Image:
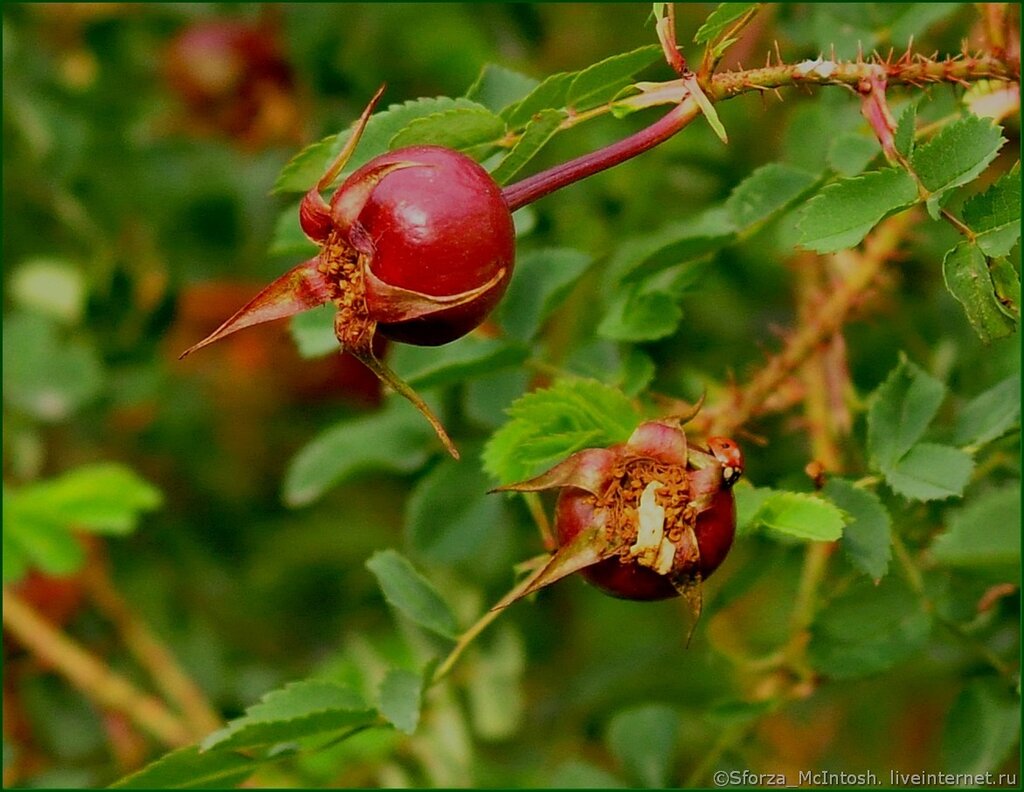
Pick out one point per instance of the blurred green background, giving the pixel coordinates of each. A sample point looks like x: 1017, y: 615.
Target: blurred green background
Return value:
x: 137, y: 215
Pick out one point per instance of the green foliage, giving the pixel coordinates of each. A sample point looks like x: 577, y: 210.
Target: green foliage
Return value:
x: 394, y: 439
x: 982, y: 728
x: 547, y: 425
x: 994, y: 215
x: 929, y: 471
x: 190, y: 768
x: 843, y: 213
x: 496, y: 87
x: 542, y: 280
x: 800, y: 516
x: 411, y: 594
x: 867, y: 536
x: 969, y: 280
x: 767, y: 191
x: 539, y: 130
x: 400, y: 697
x: 868, y: 629
x: 459, y: 361
x: 643, y: 740
x: 990, y: 414
x: 983, y: 534
x: 720, y: 19
x: 40, y: 518
x: 459, y: 128
x: 297, y: 711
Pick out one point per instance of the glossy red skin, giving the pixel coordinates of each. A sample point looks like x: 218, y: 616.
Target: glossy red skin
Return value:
x: 438, y: 230
x: 715, y: 529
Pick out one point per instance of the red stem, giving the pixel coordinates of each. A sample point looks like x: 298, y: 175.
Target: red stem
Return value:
x: 540, y: 184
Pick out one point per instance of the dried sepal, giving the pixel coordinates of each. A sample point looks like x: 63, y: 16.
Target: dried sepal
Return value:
x: 389, y: 304
x: 588, y: 470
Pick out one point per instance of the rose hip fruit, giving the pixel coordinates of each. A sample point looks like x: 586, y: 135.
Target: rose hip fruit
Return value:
x: 649, y: 519
x: 418, y: 244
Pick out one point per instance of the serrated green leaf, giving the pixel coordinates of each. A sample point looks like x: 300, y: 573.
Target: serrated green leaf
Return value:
x: 868, y: 629
x: 906, y: 128
x: 459, y: 128
x: 982, y: 728
x: 644, y: 740
x: 395, y: 439
x: 190, y: 768
x: 969, y: 280
x: 985, y: 533
x: 635, y: 315
x: 867, y: 537
x: 313, y: 332
x: 990, y: 414
x: 305, y: 168
x: 541, y: 128
x: 497, y: 87
x: 300, y: 709
x: 433, y: 367
x: 411, y: 594
x: 929, y: 471
x: 901, y: 409
x: 851, y: 153
x: 801, y: 516
x: 767, y: 191
x: 600, y: 82
x: 994, y: 215
x: 45, y: 374
x: 843, y: 213
x: 548, y: 425
x: 549, y: 95
x: 399, y: 699
x: 449, y: 515
x: 957, y: 154
x: 720, y: 20
x: 542, y: 280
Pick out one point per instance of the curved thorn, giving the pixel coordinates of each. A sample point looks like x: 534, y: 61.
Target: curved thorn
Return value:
x: 350, y: 145
x: 299, y: 289
x: 390, y: 304
x: 400, y: 386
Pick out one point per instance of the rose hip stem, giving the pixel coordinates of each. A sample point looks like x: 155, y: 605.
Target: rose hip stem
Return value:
x: 540, y: 184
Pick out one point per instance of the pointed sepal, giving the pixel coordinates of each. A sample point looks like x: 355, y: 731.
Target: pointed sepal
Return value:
x: 389, y: 304
x: 299, y: 289
x: 590, y: 470
x: 662, y: 440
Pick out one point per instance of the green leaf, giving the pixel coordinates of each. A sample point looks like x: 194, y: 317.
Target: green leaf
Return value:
x: 1007, y: 285
x: 720, y: 20
x: 957, y: 154
x: 867, y: 629
x: 985, y: 533
x: 411, y: 594
x: 46, y: 375
x: 749, y: 500
x: 547, y: 425
x: 300, y: 709
x: 982, y: 728
x: 313, y: 332
x: 497, y: 87
x: 640, y: 315
x: 641, y: 257
x: 38, y: 540
x: 399, y: 699
x: 994, y: 215
x: 801, y: 516
x: 867, y: 537
x: 644, y: 740
x: 49, y: 286
x: 289, y: 239
x: 906, y: 129
x: 542, y: 280
x: 494, y: 685
x: 968, y: 279
x: 930, y: 472
x: 470, y: 356
x: 990, y: 414
x: 190, y: 768
x: 916, y: 20
x: 850, y: 154
x: 450, y: 517
x: 395, y: 439
x: 580, y: 774
x: 549, y: 95
x: 766, y: 192
x: 600, y: 82
x: 459, y: 128
x: 306, y: 167
x: 901, y: 409
x: 541, y: 128
x: 843, y: 213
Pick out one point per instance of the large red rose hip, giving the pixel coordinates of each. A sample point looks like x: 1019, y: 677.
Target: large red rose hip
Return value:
x: 645, y: 520
x: 417, y: 244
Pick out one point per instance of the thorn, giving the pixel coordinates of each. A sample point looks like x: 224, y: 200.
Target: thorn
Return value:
x: 860, y: 52
x: 778, y: 52
x: 778, y: 94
